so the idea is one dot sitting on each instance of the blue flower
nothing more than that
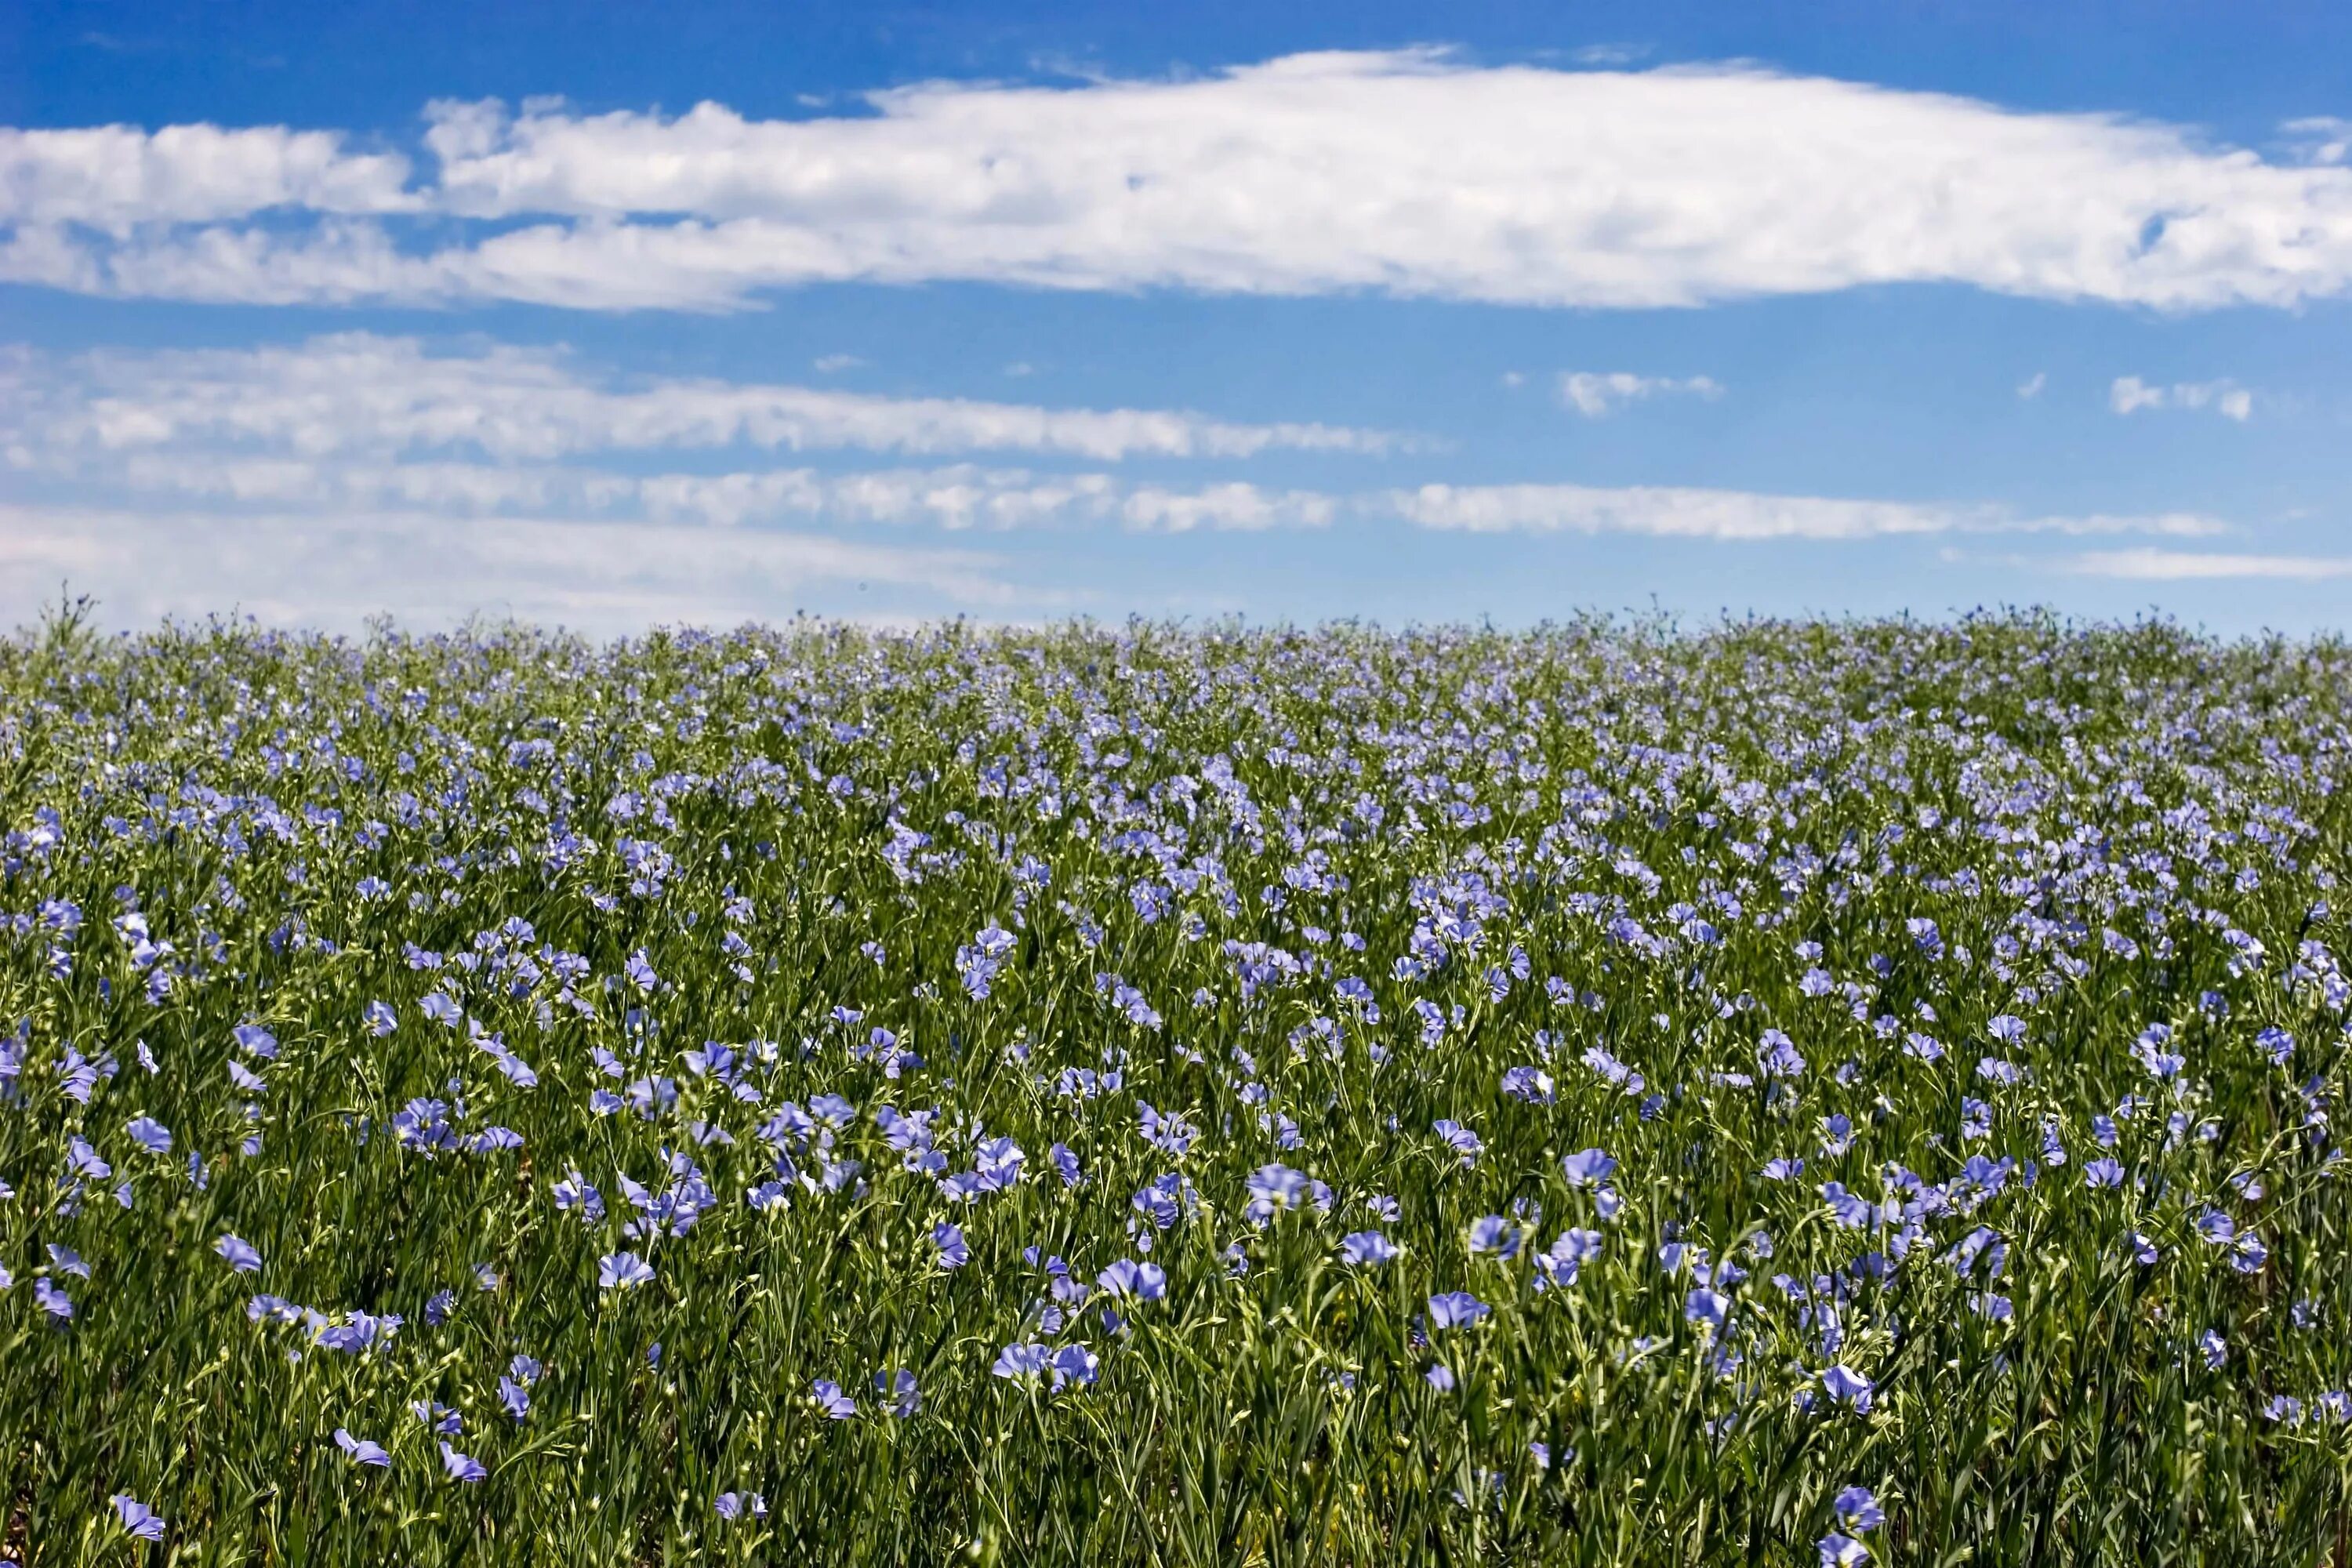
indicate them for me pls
(1023, 1362)
(1494, 1233)
(1847, 1387)
(150, 1134)
(137, 1518)
(1776, 1056)
(1557, 1267)
(361, 1450)
(1588, 1167)
(1144, 1282)
(1456, 1309)
(1459, 1139)
(1842, 1550)
(240, 1254)
(1440, 1377)
(1367, 1248)
(1075, 1364)
(735, 1505)
(1272, 1190)
(831, 1402)
(1857, 1510)
(461, 1467)
(900, 1396)
(622, 1271)
(949, 1241)
(1706, 1305)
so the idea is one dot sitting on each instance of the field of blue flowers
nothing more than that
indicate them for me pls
(1775, 1093)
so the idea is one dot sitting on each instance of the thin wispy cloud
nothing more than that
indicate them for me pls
(1664, 512)
(1595, 393)
(2152, 566)
(360, 393)
(307, 569)
(2130, 395)
(1404, 172)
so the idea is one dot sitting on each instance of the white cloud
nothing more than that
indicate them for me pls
(1404, 173)
(2150, 565)
(828, 363)
(1680, 513)
(2320, 138)
(1595, 393)
(2030, 388)
(112, 178)
(358, 393)
(2130, 393)
(335, 571)
(1226, 507)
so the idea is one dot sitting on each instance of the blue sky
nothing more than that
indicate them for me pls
(1295, 312)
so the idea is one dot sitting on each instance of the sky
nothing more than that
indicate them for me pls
(620, 316)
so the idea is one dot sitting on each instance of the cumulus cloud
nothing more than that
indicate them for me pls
(2152, 566)
(1593, 393)
(1405, 172)
(2129, 395)
(114, 177)
(359, 393)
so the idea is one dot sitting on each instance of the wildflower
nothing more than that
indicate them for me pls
(462, 1466)
(137, 1518)
(1847, 1387)
(1023, 1362)
(1858, 1510)
(150, 1134)
(1556, 1267)
(1272, 1190)
(1459, 1139)
(1494, 1233)
(361, 1450)
(622, 1270)
(1456, 1309)
(240, 1253)
(1144, 1282)
(1588, 1167)
(1367, 1248)
(948, 1242)
(1075, 1364)
(735, 1505)
(830, 1402)
(1776, 1056)
(897, 1390)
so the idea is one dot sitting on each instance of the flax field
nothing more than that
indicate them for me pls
(1620, 1093)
